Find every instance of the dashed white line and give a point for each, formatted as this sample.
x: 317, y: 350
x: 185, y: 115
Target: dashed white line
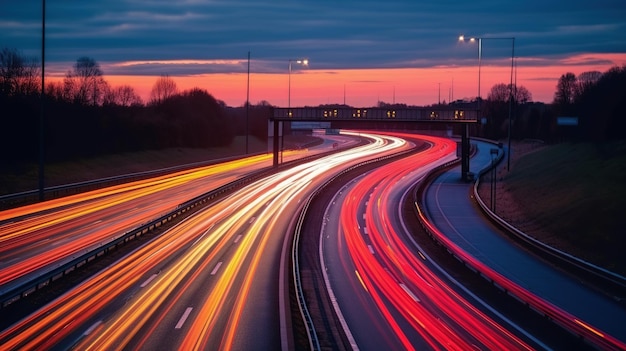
x: 217, y: 267
x: 371, y: 248
x: 406, y: 289
x: 237, y: 238
x: 183, y: 318
x: 252, y: 220
x: 94, y: 326
x: 148, y: 280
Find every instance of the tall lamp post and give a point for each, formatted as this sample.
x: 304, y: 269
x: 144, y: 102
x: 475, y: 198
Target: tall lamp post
x: 43, y: 103
x: 304, y: 62
x: 512, y: 39
x: 248, y: 106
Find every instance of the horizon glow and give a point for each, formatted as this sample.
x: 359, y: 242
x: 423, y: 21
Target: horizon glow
x: 366, y: 87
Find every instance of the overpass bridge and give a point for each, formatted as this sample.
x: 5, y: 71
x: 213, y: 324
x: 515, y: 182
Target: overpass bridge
x: 448, y: 115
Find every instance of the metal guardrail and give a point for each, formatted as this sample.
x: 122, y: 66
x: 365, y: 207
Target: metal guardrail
x: 607, y: 280
x: 16, y: 293
x: 304, y: 311
x: 565, y: 260
x: 13, y: 294
x: 31, y: 196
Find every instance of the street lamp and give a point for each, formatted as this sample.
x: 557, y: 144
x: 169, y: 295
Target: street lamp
x: 42, y: 113
x: 248, y: 106
x: 304, y: 62
x: 512, y: 39
x: 480, y: 49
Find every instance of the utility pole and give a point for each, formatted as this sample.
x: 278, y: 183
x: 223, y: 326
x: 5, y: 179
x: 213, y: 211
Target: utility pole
x: 42, y: 102
x: 248, y: 105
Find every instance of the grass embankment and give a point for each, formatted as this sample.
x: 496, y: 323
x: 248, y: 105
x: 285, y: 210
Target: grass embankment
x: 577, y: 194
x: 25, y: 177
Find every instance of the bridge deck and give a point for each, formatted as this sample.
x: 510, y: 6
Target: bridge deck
x: 444, y: 114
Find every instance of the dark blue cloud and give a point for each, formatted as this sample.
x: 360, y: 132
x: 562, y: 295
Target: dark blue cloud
x: 333, y: 34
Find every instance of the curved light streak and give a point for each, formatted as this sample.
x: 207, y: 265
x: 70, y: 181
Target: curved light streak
x: 397, y: 279
x: 197, y: 243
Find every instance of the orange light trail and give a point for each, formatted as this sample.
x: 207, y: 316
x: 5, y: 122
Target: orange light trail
x: 201, y: 239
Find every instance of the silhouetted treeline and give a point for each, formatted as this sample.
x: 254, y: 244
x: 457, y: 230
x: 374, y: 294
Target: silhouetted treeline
x: 598, y: 100
x: 190, y: 119
x: 84, y: 116
x: 253, y: 117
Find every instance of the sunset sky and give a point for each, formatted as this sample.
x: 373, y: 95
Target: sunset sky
x: 360, y: 52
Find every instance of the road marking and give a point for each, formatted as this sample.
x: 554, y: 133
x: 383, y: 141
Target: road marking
x: 202, y: 236
x: 252, y: 220
x: 361, y: 280
x: 406, y: 289
x: 371, y: 248
x: 94, y: 326
x: 183, y: 318
x: 237, y: 238
x: 217, y: 267
x: 365, y: 231
x: 148, y: 280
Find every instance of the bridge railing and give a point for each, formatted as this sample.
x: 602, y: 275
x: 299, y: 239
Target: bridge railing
x: 425, y: 114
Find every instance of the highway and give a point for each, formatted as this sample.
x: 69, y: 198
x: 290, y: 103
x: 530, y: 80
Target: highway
x: 208, y: 282
x: 389, y: 294
x: 456, y: 221
x: 42, y: 236
x: 216, y: 280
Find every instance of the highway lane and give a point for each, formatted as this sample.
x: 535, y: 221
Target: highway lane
x: 211, y: 281
x: 390, y: 296
x: 476, y: 240
x: 36, y: 238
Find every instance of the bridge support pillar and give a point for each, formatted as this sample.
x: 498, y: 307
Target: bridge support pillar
x: 465, y: 154
x: 275, y: 142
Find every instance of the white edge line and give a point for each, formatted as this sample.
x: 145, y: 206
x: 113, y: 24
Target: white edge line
x: 461, y: 286
x: 329, y: 289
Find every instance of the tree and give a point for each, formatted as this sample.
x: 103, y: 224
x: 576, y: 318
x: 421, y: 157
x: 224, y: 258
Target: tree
x: 84, y: 83
x: 566, y: 89
x: 586, y: 80
x: 522, y: 95
x: 162, y: 89
x: 501, y: 93
x: 123, y: 95
x: 55, y: 91
x: 18, y: 74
